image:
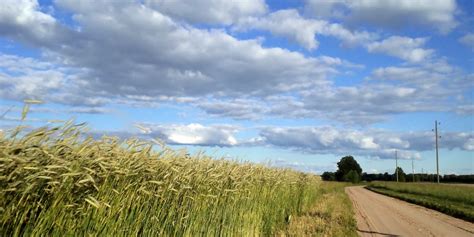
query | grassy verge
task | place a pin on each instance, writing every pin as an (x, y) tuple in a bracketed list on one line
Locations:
[(457, 201), (330, 215), (58, 182)]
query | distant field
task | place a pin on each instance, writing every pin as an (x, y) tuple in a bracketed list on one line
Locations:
[(454, 200), (56, 181)]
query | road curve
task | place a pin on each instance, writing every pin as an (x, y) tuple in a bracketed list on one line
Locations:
[(379, 215)]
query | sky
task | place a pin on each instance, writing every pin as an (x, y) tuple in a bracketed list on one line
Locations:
[(295, 84)]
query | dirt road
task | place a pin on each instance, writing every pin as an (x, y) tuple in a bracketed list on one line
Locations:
[(379, 215)]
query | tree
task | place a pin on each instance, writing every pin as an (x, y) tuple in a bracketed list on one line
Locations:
[(345, 165), (352, 177), (328, 176), (401, 175)]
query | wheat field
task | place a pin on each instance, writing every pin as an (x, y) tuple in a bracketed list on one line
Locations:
[(57, 181)]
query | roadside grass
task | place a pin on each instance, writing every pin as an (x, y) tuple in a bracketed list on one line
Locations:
[(330, 215), (56, 181), (457, 201)]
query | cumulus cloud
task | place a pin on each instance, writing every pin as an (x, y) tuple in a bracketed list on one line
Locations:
[(221, 12), (432, 80), (318, 139), (26, 78), (32, 79), (468, 40), (129, 49), (394, 14), (304, 31), (131, 53), (194, 134), (372, 143), (291, 25), (21, 19), (406, 48), (385, 92)]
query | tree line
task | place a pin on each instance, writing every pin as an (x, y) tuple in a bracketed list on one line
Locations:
[(350, 171), (419, 177)]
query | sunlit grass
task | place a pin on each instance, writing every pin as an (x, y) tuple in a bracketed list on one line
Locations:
[(330, 215)]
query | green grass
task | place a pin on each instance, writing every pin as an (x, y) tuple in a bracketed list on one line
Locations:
[(457, 201), (58, 182), (330, 215)]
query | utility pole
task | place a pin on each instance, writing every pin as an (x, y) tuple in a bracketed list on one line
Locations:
[(436, 140), (413, 168), (396, 164)]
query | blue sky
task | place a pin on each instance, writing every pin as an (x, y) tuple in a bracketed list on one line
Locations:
[(295, 84)]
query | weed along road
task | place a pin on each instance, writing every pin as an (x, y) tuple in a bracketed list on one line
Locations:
[(379, 215)]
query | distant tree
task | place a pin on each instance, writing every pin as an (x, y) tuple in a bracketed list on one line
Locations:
[(345, 165), (401, 175), (452, 178), (417, 178), (328, 176), (367, 177)]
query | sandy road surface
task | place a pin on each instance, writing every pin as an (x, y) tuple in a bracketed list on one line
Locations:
[(379, 215)]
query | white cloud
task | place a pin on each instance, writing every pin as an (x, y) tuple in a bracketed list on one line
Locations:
[(468, 40), (393, 14), (289, 24), (125, 52), (431, 80), (31, 78), (362, 104), (26, 78), (221, 12), (304, 31), (387, 91), (318, 139), (372, 143), (469, 145), (326, 9), (129, 49), (402, 47), (22, 19), (194, 134), (390, 154)]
